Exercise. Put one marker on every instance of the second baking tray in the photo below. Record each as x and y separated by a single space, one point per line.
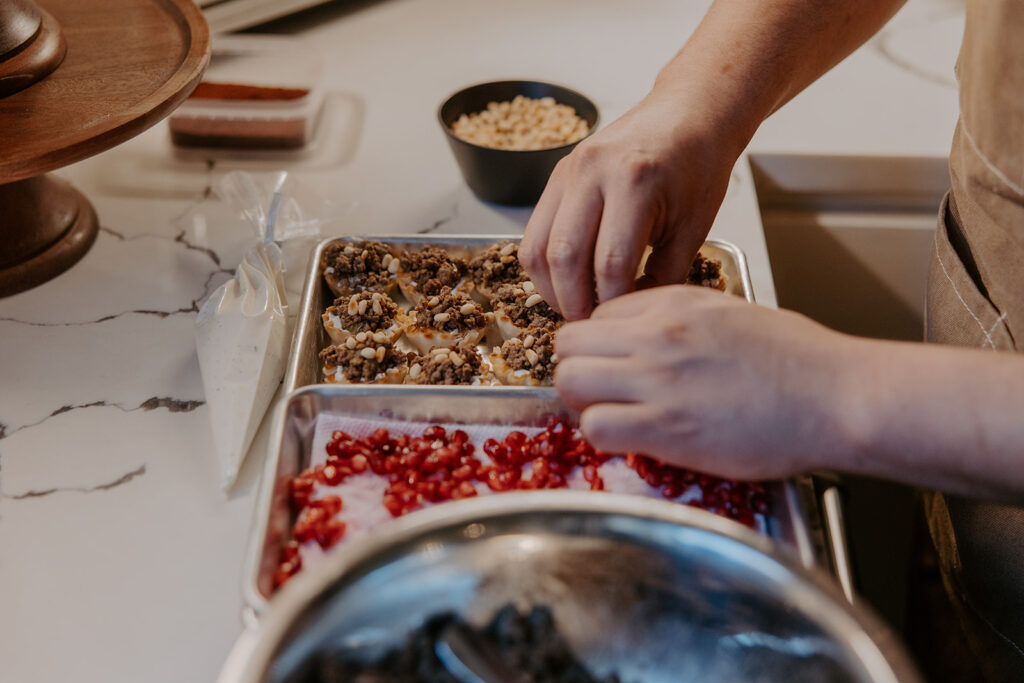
310 337
292 441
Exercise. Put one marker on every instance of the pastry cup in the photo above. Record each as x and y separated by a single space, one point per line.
483 377
410 290
384 279
333 375
338 334
504 373
541 314
390 364
510 274
427 338
350 284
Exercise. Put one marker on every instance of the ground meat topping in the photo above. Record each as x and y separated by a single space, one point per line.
705 272
432 263
365 312
532 349
497 265
447 365
524 305
365 265
449 311
361 358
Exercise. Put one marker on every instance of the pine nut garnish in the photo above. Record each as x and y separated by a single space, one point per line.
386 261
350 250
380 337
367 352
528 342
528 286
433 301
353 305
456 359
377 310
532 356
365 254
467 308
533 300
362 307
350 342
361 337
441 318
554 358
394 266
508 249
381 351
414 371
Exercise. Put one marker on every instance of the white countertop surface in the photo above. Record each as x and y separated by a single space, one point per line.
121 558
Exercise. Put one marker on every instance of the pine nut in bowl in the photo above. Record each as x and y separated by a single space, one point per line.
507 136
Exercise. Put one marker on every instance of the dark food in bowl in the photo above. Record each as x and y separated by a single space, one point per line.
528 648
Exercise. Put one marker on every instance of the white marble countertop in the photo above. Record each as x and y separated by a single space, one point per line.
121 559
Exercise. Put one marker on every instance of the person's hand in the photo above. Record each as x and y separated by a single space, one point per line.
654 177
707 381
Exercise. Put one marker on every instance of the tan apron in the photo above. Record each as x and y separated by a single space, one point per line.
976 299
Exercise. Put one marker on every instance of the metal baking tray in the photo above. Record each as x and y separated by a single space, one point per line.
310 336
292 439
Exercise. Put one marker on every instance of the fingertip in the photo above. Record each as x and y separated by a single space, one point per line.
604 428
569 268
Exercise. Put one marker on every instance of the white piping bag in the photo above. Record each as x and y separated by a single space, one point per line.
242 343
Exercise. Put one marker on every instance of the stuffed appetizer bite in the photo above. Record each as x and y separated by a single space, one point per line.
371 312
529 358
706 272
426 271
363 360
447 318
496 265
519 306
456 364
351 267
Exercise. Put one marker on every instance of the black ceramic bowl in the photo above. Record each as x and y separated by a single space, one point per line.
506 176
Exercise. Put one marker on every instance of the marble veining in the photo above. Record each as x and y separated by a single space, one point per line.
440 222
123 479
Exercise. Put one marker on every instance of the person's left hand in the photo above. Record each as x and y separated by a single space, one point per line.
707 381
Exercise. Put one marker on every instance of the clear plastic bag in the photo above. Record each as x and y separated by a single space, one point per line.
242 328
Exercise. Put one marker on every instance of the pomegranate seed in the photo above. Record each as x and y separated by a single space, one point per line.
435 432
438 466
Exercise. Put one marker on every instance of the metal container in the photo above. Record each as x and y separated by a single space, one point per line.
513 406
650 590
310 336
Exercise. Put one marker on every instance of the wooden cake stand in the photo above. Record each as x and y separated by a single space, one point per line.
78 77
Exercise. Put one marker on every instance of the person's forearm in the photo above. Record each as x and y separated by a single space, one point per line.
940 417
749 57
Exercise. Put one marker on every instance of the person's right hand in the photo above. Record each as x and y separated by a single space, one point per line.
656 176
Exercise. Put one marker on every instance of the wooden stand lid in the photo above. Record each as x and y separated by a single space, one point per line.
128 64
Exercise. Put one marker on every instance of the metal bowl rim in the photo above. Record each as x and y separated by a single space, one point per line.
254 652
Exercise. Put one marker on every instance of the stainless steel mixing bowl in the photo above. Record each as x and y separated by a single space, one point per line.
649 589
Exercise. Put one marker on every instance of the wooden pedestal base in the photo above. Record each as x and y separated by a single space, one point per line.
46 226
